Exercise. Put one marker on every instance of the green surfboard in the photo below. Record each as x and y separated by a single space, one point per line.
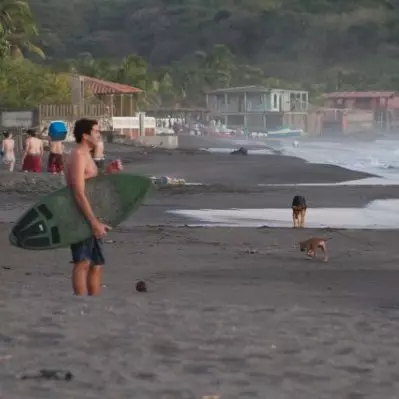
56 221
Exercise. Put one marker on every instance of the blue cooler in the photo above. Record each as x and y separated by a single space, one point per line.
57 130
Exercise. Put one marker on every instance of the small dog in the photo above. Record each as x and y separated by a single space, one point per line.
299 208
312 244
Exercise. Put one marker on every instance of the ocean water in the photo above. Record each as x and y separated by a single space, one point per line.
379 214
379 157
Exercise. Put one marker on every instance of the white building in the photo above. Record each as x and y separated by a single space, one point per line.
255 108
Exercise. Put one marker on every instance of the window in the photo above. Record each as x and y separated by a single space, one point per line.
363 103
220 99
275 101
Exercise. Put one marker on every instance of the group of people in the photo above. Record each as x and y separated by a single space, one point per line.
32 156
33 153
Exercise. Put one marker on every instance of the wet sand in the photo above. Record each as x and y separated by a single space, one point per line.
238 313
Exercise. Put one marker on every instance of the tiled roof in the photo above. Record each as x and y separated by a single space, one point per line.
360 94
98 86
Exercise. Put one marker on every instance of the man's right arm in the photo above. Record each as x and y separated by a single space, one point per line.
77 183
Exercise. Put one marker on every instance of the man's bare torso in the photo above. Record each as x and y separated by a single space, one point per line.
90 167
34 146
8 147
56 147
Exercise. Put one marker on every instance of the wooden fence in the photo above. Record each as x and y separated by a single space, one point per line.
310 122
70 111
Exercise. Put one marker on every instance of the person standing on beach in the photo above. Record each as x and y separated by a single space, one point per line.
7 150
32 158
55 163
87 255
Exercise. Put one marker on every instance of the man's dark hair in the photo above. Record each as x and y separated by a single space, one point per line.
6 134
83 126
31 132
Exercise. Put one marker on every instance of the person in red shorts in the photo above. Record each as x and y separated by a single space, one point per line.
32 158
55 163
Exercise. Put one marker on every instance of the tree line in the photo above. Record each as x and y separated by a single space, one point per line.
29 76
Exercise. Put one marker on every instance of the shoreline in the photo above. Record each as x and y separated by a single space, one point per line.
228 182
195 165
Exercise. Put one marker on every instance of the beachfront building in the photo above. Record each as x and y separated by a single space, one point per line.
362 100
255 108
365 110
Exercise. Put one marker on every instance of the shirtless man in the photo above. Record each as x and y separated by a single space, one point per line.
87 255
7 149
55 163
98 154
32 158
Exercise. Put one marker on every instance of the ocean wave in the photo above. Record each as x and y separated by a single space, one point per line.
379 157
378 214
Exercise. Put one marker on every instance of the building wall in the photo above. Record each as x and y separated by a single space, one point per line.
275 100
235 121
235 104
120 104
348 120
285 102
256 122
357 103
258 102
358 121
134 126
274 120
298 101
309 122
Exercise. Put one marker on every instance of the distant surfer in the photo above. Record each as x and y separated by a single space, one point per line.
55 163
7 150
240 151
87 255
32 158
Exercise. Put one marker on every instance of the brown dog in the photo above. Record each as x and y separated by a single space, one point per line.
299 208
312 244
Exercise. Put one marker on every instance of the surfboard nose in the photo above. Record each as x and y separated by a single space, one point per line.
13 239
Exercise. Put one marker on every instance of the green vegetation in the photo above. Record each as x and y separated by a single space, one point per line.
176 50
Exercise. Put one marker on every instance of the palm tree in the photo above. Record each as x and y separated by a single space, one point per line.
19 27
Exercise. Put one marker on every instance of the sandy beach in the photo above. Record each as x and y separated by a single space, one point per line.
233 312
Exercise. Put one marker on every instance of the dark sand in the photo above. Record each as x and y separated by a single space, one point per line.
235 312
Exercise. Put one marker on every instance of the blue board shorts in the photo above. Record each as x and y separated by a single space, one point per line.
90 249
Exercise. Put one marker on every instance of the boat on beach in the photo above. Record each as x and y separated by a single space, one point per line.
287 132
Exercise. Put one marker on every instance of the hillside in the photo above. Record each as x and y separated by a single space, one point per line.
176 50
292 39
